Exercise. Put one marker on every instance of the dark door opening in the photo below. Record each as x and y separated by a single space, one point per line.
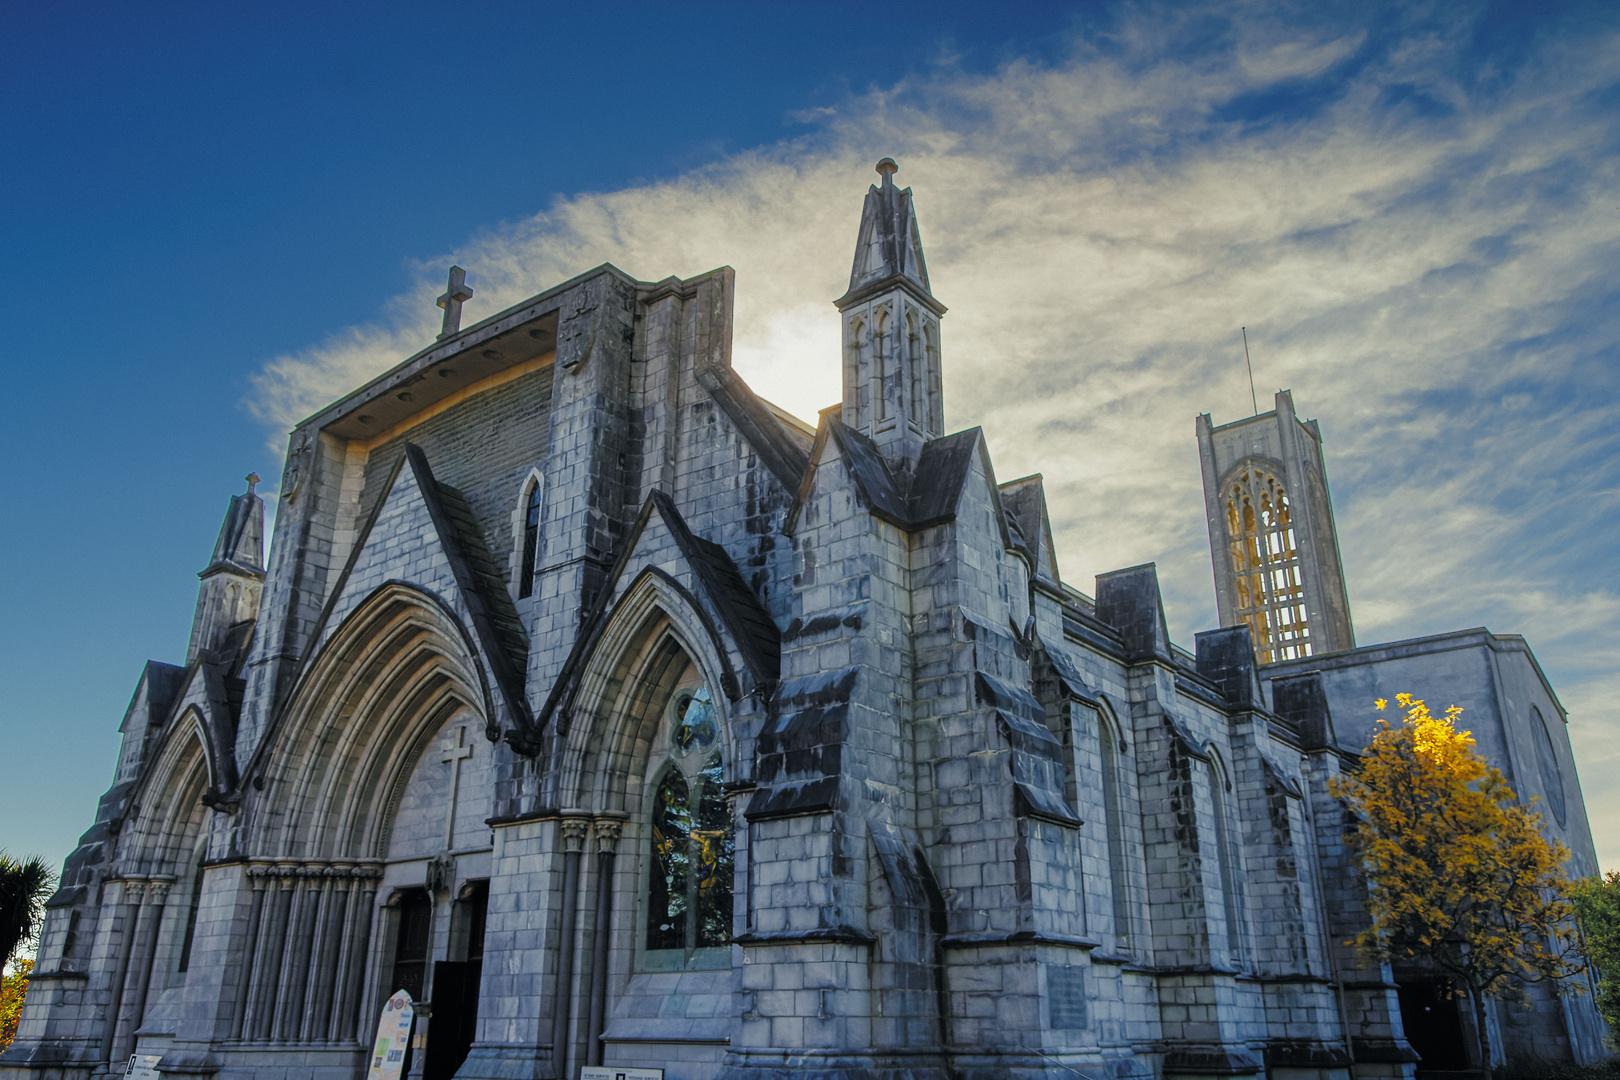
455 989
411 951
1433 1024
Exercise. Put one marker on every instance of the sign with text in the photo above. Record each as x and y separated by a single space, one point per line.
618 1072
393 1038
142 1067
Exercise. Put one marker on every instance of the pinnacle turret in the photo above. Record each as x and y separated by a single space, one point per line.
234 577
892 380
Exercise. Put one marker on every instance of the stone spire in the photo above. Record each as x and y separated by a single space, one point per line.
892 389
234 577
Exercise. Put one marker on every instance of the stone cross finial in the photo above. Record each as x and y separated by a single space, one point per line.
252 479
887 167
454 296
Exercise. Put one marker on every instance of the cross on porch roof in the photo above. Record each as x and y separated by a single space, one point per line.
454 296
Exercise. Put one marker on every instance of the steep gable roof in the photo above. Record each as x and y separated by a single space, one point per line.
495 623
749 627
1025 503
781 452
495 617
927 497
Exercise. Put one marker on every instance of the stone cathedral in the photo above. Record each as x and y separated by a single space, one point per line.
622 718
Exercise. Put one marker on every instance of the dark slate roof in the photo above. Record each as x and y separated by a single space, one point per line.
495 618
1069 674
929 496
941 471
752 627
781 452
866 464
163 685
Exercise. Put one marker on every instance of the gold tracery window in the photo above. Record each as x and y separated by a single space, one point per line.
1270 593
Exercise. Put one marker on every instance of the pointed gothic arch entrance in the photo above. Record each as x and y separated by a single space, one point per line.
367 847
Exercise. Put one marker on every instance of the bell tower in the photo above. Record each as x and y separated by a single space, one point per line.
892 390
1271 533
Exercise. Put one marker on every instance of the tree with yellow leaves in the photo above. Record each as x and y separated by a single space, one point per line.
1461 881
13 988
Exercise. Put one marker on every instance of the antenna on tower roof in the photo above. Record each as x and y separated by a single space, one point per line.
1254 401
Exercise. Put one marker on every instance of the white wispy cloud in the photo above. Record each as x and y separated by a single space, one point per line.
1426 261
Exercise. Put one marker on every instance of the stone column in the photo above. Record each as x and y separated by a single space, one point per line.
273 948
258 876
132 889
157 895
571 830
352 965
300 941
317 1013
607 844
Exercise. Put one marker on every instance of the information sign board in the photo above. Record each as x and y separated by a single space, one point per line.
618 1072
393 1038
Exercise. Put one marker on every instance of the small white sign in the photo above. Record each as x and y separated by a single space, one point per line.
142 1067
393 1035
618 1072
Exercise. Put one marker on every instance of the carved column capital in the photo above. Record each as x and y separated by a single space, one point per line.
287 874
134 889
157 890
608 830
572 831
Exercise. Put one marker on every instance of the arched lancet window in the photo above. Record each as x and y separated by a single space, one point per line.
931 371
192 908
1114 822
1270 594
689 891
880 362
854 376
914 359
1226 856
1552 779
531 540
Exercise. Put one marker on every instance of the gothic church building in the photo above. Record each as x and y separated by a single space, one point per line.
622 718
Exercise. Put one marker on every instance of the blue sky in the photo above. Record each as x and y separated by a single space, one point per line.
217 217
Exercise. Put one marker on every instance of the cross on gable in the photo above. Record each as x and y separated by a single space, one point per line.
454 754
454 296
458 750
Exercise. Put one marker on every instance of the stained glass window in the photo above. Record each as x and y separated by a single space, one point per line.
689 897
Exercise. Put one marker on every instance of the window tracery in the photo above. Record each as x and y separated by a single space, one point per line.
1269 591
693 847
